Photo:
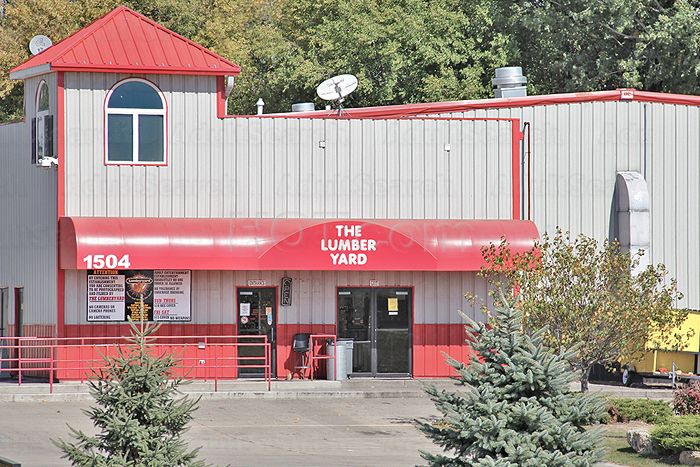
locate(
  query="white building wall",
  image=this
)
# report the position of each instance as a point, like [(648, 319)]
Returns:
[(275, 167), (437, 296), (279, 167), (577, 150), (28, 217)]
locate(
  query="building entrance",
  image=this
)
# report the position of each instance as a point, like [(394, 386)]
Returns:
[(257, 316), (378, 320)]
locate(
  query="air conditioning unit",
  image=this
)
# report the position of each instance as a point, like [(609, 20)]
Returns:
[(47, 162)]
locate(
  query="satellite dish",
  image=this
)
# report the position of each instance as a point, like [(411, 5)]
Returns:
[(39, 43), (337, 88)]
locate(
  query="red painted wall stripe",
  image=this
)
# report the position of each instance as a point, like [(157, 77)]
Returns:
[(60, 201), (430, 341)]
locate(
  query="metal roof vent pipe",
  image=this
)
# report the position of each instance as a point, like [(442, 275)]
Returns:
[(509, 82), (303, 107)]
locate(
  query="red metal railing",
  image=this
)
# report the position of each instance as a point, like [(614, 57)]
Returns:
[(313, 357), (203, 358)]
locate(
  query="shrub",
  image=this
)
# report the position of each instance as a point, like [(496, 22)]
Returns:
[(686, 400), (645, 410), (678, 434)]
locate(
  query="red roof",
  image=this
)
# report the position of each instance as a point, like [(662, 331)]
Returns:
[(125, 41), (431, 108), (285, 244)]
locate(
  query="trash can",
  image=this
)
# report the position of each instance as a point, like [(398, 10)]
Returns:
[(349, 344), (340, 363)]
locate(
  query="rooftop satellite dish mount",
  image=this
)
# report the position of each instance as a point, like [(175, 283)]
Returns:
[(39, 43), (336, 89)]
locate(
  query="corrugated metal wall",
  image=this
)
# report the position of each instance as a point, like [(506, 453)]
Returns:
[(28, 216), (578, 148), (672, 168), (251, 167), (437, 296)]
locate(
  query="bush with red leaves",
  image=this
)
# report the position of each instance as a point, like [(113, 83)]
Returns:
[(686, 400)]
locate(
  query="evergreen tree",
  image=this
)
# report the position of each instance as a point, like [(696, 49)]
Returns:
[(139, 414), (517, 408)]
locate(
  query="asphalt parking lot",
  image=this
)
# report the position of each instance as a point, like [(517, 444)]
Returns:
[(249, 432)]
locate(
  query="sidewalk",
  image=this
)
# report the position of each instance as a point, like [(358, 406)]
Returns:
[(361, 388)]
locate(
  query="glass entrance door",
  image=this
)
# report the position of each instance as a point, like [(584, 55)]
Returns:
[(354, 323), (257, 316), (378, 320)]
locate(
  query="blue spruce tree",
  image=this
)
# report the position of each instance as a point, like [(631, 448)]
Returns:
[(140, 413), (517, 408)]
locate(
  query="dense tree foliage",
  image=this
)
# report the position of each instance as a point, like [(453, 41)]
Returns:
[(579, 45), (402, 50), (586, 296)]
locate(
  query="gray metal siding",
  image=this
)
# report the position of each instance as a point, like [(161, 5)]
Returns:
[(252, 167), (437, 296), (578, 148), (672, 151), (28, 213)]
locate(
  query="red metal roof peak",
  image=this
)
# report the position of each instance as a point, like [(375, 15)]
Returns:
[(125, 41)]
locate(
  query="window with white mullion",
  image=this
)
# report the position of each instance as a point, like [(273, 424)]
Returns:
[(135, 130), (135, 124)]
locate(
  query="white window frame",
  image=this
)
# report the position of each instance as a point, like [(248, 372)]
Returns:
[(135, 113), (39, 137)]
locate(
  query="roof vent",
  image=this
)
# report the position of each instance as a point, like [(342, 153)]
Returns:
[(303, 107), (509, 82)]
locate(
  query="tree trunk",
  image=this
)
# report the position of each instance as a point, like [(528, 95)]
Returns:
[(585, 373)]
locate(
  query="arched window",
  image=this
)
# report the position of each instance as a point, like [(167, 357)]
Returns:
[(135, 124), (42, 126)]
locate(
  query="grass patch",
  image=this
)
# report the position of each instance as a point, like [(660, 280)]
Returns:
[(618, 451)]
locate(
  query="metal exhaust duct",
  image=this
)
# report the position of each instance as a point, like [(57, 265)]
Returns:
[(303, 107), (509, 82)]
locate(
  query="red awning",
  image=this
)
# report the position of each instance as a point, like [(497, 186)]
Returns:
[(284, 244)]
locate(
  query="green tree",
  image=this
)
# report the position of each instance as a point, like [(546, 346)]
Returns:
[(578, 45), (517, 408), (588, 297), (140, 416), (402, 51)]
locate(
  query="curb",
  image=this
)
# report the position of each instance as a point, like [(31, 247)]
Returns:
[(223, 395)]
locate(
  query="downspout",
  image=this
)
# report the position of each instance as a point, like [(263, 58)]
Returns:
[(528, 154)]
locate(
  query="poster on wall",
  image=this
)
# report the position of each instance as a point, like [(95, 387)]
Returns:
[(159, 295), (105, 296), (171, 296), (139, 291)]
